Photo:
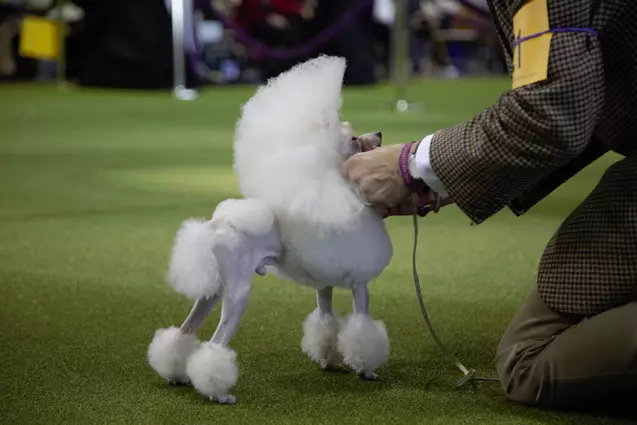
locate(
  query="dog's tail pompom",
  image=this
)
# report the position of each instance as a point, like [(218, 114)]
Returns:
[(364, 343), (168, 354), (194, 271), (288, 146), (320, 338), (212, 370)]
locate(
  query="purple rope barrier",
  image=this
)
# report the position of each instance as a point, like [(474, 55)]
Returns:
[(261, 51)]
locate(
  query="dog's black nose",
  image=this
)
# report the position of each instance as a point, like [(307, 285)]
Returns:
[(380, 138), (379, 134)]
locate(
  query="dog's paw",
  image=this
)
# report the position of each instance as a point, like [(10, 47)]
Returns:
[(333, 367), (212, 369), (364, 344), (168, 353), (178, 382), (224, 399)]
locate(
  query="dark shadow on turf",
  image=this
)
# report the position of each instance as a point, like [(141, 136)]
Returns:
[(318, 382), (184, 391)]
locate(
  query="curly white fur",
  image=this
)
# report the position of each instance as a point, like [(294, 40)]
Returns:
[(320, 338), (247, 215), (193, 269), (364, 343), (168, 353), (212, 369), (289, 146)]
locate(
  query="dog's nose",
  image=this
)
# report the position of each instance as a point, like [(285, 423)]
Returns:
[(380, 138)]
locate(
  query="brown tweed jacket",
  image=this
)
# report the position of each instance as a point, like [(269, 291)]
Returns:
[(539, 135)]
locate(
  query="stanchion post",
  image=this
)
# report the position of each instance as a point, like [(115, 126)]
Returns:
[(400, 38), (177, 12), (177, 16), (400, 58)]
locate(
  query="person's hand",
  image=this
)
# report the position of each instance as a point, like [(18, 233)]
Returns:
[(377, 176), (405, 207)]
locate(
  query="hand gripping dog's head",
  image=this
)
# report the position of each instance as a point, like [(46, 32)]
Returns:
[(290, 146)]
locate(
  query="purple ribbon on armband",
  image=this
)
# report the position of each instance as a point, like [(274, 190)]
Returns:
[(521, 40)]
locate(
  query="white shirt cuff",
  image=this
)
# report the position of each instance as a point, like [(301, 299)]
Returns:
[(425, 171)]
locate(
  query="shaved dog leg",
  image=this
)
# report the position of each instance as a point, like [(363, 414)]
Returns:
[(324, 300), (235, 301), (200, 310), (320, 332), (233, 305), (361, 307), (361, 299)]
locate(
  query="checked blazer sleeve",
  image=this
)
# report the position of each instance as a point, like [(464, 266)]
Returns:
[(532, 131)]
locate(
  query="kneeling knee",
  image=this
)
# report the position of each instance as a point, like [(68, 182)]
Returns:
[(521, 379)]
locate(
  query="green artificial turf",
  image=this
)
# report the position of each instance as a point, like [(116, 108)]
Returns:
[(93, 186)]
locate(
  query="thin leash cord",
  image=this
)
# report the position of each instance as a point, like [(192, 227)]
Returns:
[(469, 374)]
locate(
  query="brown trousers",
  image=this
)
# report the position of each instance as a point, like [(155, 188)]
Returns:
[(552, 360), (548, 358)]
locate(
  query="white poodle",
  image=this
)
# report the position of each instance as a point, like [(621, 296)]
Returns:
[(300, 220)]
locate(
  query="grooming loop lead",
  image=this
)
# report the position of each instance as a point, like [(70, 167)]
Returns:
[(469, 375)]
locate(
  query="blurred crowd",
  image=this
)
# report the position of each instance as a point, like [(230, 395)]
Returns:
[(446, 37), (129, 44)]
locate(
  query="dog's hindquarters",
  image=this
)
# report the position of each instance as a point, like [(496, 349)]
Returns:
[(212, 368), (211, 261)]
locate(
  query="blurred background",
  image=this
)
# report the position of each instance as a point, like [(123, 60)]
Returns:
[(129, 44)]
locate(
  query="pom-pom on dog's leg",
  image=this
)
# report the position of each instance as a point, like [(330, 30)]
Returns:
[(320, 332), (212, 368), (170, 348), (363, 342)]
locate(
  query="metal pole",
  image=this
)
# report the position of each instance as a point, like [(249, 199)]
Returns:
[(180, 91), (400, 38), (400, 57)]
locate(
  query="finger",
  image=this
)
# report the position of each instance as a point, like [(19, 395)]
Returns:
[(345, 170), (445, 202)]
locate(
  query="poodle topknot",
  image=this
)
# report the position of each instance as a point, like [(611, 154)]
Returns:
[(292, 125)]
